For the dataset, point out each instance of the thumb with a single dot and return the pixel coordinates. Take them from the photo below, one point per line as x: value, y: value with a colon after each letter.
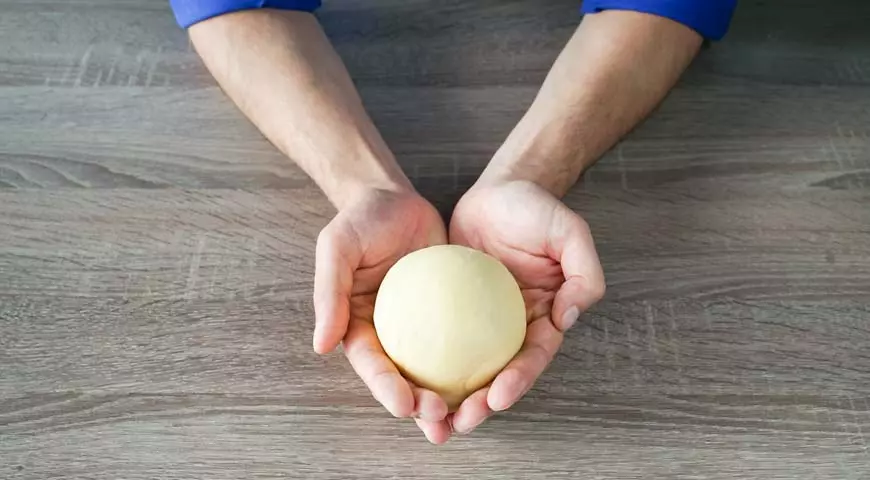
x: 584, y: 284
x: 337, y: 256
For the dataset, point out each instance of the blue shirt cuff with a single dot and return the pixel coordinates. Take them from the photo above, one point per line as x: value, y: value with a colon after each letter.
x: 189, y: 12
x: 710, y: 18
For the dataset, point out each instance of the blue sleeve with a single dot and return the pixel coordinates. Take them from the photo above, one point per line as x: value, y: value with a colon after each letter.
x: 710, y: 18
x: 188, y: 12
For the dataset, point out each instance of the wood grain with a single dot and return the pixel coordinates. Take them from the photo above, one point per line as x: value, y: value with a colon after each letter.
x: 156, y: 253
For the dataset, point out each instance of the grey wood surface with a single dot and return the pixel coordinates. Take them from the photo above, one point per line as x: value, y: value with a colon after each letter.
x: 156, y: 253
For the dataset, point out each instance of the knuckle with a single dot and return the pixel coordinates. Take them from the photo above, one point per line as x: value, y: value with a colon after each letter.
x: 598, y: 288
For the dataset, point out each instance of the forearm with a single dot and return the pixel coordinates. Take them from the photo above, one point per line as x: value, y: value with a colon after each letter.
x: 615, y: 69
x: 281, y: 71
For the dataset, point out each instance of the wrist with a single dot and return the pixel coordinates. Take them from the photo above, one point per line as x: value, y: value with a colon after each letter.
x: 353, y: 187
x: 543, y: 153
x: 351, y: 165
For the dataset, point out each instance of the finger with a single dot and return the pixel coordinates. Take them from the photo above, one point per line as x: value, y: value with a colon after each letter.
x: 584, y: 284
x: 369, y: 361
x: 336, y: 258
x: 428, y: 405
x: 436, y: 432
x: 542, y: 342
x: 472, y: 412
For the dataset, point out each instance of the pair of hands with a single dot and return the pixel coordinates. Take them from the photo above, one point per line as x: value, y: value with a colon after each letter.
x: 546, y: 246
x: 298, y: 93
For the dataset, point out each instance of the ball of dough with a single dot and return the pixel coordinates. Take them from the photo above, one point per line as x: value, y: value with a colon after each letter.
x: 450, y: 318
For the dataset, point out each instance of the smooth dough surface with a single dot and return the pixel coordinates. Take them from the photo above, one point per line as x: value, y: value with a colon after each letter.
x: 450, y: 318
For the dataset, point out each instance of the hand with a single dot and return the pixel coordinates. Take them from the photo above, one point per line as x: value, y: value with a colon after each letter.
x: 549, y: 250
x: 354, y: 252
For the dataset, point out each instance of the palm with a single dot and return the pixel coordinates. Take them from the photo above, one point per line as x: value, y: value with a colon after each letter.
x: 549, y: 250
x: 384, y: 232
x: 512, y: 225
x: 354, y: 252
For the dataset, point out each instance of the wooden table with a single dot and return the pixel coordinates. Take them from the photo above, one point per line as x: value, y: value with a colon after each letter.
x: 156, y: 253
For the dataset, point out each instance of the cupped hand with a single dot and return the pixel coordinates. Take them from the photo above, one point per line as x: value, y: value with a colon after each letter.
x: 549, y: 250
x: 354, y: 252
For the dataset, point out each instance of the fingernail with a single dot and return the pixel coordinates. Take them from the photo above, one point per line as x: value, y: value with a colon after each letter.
x: 466, y: 429
x: 570, y: 318
x: 520, y: 386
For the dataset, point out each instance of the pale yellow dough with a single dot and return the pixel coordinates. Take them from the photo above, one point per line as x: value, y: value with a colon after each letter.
x: 451, y: 318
